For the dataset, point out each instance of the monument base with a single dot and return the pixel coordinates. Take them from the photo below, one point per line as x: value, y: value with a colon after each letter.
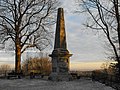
x: 60, y: 77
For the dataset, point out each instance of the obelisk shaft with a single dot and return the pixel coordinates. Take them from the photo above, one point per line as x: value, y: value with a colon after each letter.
x: 60, y: 36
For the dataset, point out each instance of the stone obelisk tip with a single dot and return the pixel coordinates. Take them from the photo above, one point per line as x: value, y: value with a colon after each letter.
x: 60, y: 9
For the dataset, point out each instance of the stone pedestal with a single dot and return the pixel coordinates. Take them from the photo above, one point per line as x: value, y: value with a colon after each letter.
x: 60, y: 65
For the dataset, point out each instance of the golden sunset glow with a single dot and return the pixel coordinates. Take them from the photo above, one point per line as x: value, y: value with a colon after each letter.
x: 84, y: 66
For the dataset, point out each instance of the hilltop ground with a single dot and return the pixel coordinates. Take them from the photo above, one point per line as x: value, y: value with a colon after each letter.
x: 37, y: 84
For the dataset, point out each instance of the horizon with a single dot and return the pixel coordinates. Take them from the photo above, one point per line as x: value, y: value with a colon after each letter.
x: 75, y: 65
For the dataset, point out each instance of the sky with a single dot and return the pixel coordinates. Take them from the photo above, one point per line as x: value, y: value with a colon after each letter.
x: 86, y: 45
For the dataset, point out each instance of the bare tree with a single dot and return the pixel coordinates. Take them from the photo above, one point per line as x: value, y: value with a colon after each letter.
x: 105, y: 16
x: 112, y: 69
x: 26, y: 24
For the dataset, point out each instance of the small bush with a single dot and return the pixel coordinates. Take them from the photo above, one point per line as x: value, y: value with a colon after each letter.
x: 38, y: 66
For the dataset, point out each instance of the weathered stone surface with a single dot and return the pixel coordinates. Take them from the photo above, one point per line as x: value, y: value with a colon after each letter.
x: 60, y: 36
x: 60, y: 55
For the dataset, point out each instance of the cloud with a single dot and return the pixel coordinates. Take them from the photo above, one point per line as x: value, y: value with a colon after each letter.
x: 68, y: 5
x: 5, y: 54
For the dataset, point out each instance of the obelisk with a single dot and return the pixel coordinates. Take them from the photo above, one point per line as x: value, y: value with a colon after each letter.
x: 60, y: 55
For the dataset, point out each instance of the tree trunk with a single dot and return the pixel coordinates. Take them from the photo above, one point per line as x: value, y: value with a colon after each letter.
x: 18, y: 58
x: 118, y: 31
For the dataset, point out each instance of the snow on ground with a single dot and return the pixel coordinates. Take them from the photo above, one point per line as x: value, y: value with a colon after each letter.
x: 36, y: 84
